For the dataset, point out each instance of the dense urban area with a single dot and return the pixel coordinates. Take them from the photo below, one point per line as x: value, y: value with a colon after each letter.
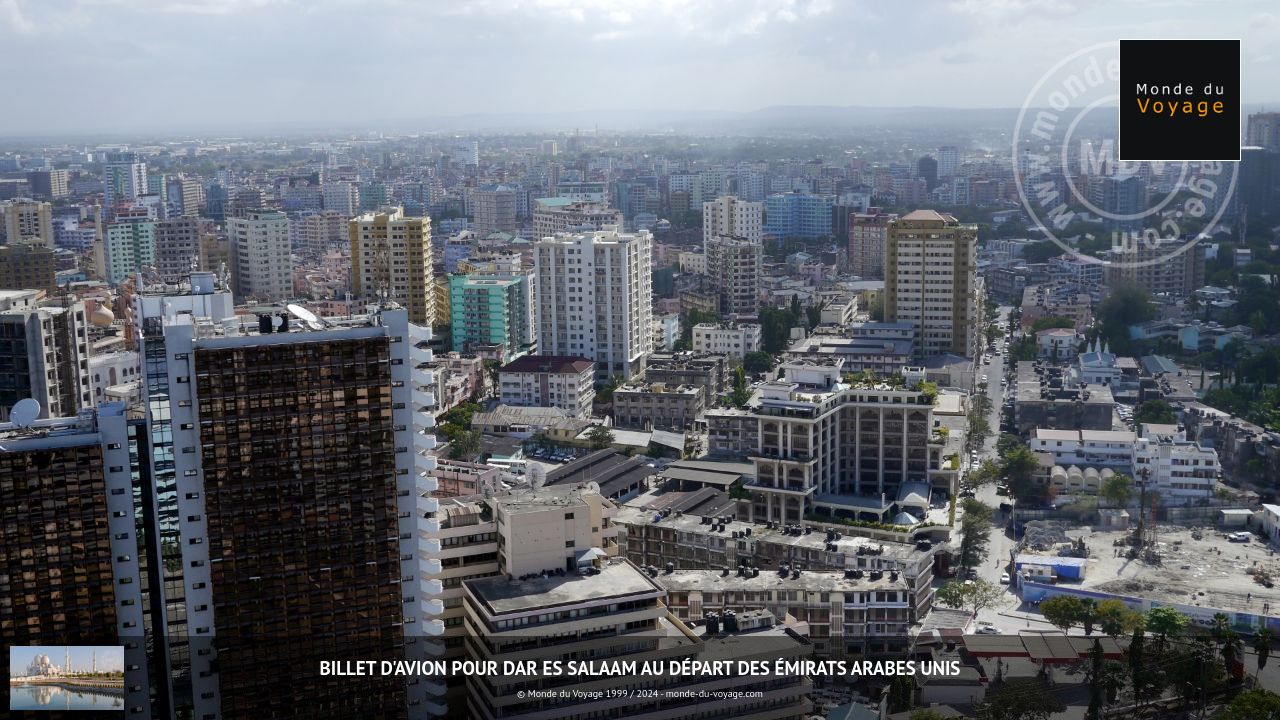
x: 272, y: 401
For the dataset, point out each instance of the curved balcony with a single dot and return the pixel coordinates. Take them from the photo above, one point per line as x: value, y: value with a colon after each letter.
x: 435, y: 709
x: 435, y: 687
x: 423, y: 376
x: 431, y: 526
x: 421, y: 354
x: 431, y: 566
x: 431, y: 587
x: 424, y: 420
x: 423, y: 398
x: 435, y: 649
x: 428, y: 483
x: 424, y: 440
x: 433, y: 628
x: 431, y: 546
x: 419, y: 333
x: 426, y: 463
x: 427, y: 504
x: 434, y: 606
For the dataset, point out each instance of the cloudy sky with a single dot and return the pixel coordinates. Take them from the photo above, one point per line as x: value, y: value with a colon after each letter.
x: 147, y: 65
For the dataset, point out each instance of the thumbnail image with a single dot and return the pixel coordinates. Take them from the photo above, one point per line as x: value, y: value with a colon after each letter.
x: 66, y: 677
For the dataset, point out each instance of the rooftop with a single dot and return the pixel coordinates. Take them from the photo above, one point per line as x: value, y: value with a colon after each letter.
x: 769, y: 579
x: 548, y: 363
x: 617, y: 580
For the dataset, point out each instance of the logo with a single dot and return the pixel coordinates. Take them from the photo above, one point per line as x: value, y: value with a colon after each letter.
x: 1082, y: 196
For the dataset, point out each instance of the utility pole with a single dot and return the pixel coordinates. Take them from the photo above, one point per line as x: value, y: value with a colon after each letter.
x: 1142, y: 505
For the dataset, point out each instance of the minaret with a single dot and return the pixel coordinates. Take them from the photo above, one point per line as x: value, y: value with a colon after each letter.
x: 95, y: 661
x: 66, y: 661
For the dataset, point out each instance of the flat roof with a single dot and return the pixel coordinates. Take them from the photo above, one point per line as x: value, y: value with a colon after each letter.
x: 771, y: 579
x: 616, y: 580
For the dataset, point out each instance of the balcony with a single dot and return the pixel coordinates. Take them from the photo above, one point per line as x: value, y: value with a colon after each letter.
x: 431, y: 647
x: 430, y: 546
x: 436, y: 709
x: 428, y: 483
x: 435, y: 687
x: 431, y: 566
x: 426, y: 463
x: 424, y: 398
x: 427, y: 504
x: 419, y: 333
x: 431, y: 587
x: 424, y: 440
x: 433, y: 628
x: 434, y: 606
x: 423, y: 376
x: 424, y: 420
x: 431, y: 526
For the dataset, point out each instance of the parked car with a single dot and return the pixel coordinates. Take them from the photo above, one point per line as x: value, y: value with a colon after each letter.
x: 1004, y: 578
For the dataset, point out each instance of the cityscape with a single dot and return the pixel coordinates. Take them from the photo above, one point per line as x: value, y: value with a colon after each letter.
x: 311, y: 396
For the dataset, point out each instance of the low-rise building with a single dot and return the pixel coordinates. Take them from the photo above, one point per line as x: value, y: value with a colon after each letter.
x: 661, y: 406
x: 1174, y: 466
x: 549, y: 381
x: 726, y: 339
x: 1057, y: 343
x: 709, y: 371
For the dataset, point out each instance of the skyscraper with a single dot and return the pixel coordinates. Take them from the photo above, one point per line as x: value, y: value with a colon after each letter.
x: 734, y: 266
x: 378, y: 242
x: 124, y: 178
x: 489, y: 315
x: 948, y: 161
x: 867, y: 235
x: 595, y: 299
x: 44, y: 355
x: 127, y: 248
x: 1264, y: 131
x: 177, y: 247
x: 931, y: 281
x: 727, y: 215
x: 797, y: 214
x: 927, y: 168
x: 262, y: 267
x: 494, y: 209
x: 27, y: 221
x: 342, y: 197
x: 1121, y: 198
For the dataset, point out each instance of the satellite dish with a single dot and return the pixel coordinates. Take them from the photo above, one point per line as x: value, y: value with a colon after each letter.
x: 277, y: 321
x: 591, y: 488
x: 307, y: 317
x: 25, y: 412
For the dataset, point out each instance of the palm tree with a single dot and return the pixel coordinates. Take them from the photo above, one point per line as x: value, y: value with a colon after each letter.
x: 1262, y: 646
x: 1232, y: 649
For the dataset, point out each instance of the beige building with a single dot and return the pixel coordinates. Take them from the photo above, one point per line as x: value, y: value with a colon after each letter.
x: 1156, y: 268
x: 322, y: 230
x: 557, y: 215
x: 868, y: 235
x: 27, y: 267
x: 567, y: 383
x: 262, y: 263
x: 28, y: 221
x: 659, y: 406
x: 391, y: 256
x: 494, y: 209
x: 177, y: 248
x: 931, y: 280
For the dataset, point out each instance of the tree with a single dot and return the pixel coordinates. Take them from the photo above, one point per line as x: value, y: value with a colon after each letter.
x: 1165, y: 622
x: 465, y: 445
x: 987, y: 472
x: 1127, y: 304
x: 1063, y: 611
x: 1018, y: 468
x: 1256, y: 704
x: 600, y: 437
x: 1115, y: 618
x: 757, y: 362
x: 1097, y: 694
x: 876, y: 309
x: 1020, y: 699
x: 1006, y: 443
x: 1050, y: 322
x: 973, y: 594
x: 975, y: 532
x: 1154, y: 411
x: 1118, y: 489
x: 1262, y: 646
x: 739, y: 396
x: 605, y: 393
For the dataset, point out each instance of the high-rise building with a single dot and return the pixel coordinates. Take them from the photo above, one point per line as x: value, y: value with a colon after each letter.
x: 931, y: 280
x: 868, y: 233
x: 948, y: 161
x: 797, y: 214
x: 262, y: 267
x: 1122, y: 200
x: 45, y: 355
x: 28, y: 267
x: 1160, y: 267
x: 734, y: 266
x: 489, y: 315
x: 927, y: 168
x: 177, y: 247
x: 466, y: 152
x: 320, y: 231
x: 729, y: 216
x: 494, y: 209
x: 27, y: 221
x: 49, y: 184
x: 127, y: 248
x: 184, y: 196
x: 124, y: 178
x: 291, y: 470
x: 557, y: 215
x: 595, y: 299
x: 1258, y: 183
x: 379, y: 241
x: 1264, y: 131
x: 71, y: 548
x: 342, y: 197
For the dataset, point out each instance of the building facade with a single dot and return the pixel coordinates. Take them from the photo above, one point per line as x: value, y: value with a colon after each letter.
x: 549, y: 381
x: 931, y: 281
x: 262, y: 264
x: 379, y: 241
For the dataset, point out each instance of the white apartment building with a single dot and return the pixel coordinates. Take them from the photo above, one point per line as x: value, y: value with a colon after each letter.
x: 549, y: 381
x: 1178, y: 467
x: 342, y: 197
x: 729, y: 216
x: 261, y: 263
x: 1086, y: 448
x: 595, y: 298
x: 732, y: 340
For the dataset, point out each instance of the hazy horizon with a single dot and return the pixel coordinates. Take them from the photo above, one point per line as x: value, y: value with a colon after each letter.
x: 145, y: 66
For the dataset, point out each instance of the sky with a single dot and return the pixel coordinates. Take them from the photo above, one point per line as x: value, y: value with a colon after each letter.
x: 147, y: 65
x: 110, y: 657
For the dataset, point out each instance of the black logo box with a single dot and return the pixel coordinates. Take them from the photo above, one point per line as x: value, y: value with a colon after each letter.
x: 1189, y: 65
